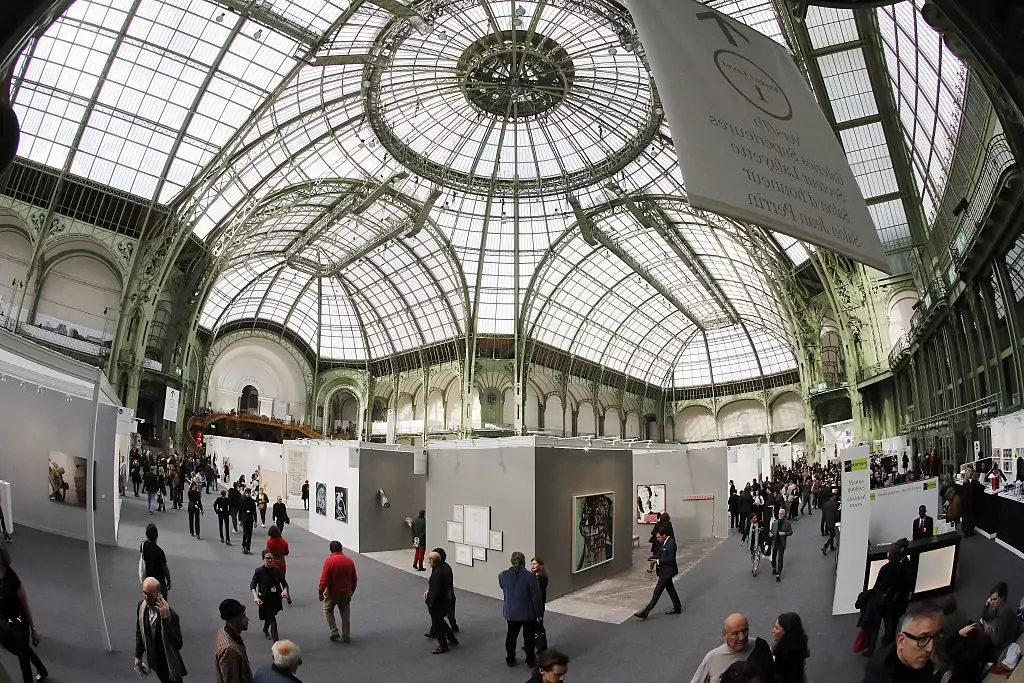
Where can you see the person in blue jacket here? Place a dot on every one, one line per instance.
(521, 609)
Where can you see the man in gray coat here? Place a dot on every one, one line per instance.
(782, 529)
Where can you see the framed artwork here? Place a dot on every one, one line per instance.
(477, 522)
(457, 513)
(66, 477)
(454, 532)
(341, 504)
(494, 540)
(650, 502)
(480, 554)
(593, 539)
(321, 498)
(464, 555)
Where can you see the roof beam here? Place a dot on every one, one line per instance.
(594, 235)
(263, 12)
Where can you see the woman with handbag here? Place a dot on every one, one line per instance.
(16, 626)
(541, 572)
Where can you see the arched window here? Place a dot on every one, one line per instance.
(249, 402)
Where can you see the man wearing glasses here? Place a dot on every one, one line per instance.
(909, 659)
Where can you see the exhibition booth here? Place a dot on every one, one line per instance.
(690, 482)
(360, 493)
(568, 501)
(245, 456)
(61, 431)
(748, 463)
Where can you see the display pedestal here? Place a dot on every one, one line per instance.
(5, 505)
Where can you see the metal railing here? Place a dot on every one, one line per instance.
(870, 371)
(998, 158)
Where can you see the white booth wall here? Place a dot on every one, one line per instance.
(330, 463)
(748, 462)
(686, 470)
(48, 414)
(245, 456)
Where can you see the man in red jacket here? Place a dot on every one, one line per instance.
(337, 584)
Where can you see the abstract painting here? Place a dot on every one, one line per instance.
(321, 499)
(650, 502)
(341, 504)
(593, 541)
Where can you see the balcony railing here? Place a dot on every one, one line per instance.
(998, 158)
(870, 371)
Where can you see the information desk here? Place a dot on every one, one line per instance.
(933, 563)
(1010, 520)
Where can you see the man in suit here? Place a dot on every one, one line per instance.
(830, 513)
(923, 524)
(667, 569)
(247, 514)
(158, 636)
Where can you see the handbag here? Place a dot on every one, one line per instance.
(540, 637)
(860, 643)
(142, 566)
(11, 636)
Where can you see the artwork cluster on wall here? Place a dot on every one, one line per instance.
(593, 538)
(470, 530)
(650, 502)
(321, 498)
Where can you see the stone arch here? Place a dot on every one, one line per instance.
(79, 292)
(612, 424)
(586, 419)
(632, 425)
(554, 415)
(900, 311)
(694, 424)
(743, 417)
(787, 411)
(264, 359)
(15, 255)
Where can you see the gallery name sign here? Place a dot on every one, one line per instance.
(753, 144)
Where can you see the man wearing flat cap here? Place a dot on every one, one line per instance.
(230, 656)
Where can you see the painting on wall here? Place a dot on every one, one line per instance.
(650, 502)
(593, 541)
(341, 504)
(321, 499)
(66, 477)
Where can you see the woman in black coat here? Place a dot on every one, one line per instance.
(268, 586)
(790, 648)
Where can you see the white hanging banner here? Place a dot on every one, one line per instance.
(171, 398)
(752, 142)
(853, 540)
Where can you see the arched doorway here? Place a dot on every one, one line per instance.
(341, 415)
(249, 401)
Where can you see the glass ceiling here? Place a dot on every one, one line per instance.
(379, 176)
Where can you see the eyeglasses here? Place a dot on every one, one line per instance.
(923, 640)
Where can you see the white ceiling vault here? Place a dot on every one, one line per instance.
(390, 174)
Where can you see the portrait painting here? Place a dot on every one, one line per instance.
(341, 504)
(650, 502)
(593, 542)
(321, 499)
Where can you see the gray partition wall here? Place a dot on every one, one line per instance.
(689, 474)
(494, 473)
(392, 470)
(36, 423)
(562, 473)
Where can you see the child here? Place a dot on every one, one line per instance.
(160, 502)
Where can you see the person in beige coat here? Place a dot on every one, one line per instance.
(230, 655)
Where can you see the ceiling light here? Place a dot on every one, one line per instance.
(520, 11)
(518, 22)
(220, 18)
(612, 51)
(258, 34)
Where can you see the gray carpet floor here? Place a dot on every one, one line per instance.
(389, 617)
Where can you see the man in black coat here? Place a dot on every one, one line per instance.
(667, 569)
(909, 659)
(440, 590)
(151, 484)
(247, 515)
(223, 509)
(830, 515)
(234, 500)
(451, 606)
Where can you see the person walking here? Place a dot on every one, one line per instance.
(262, 501)
(451, 605)
(440, 588)
(247, 514)
(552, 666)
(223, 509)
(746, 508)
(782, 529)
(22, 634)
(829, 514)
(195, 510)
(175, 477)
(754, 544)
(541, 572)
(154, 560)
(667, 569)
(235, 502)
(279, 548)
(337, 586)
(789, 648)
(151, 484)
(268, 586)
(280, 514)
(418, 526)
(305, 495)
(136, 477)
(287, 659)
(805, 496)
(521, 608)
(229, 654)
(158, 639)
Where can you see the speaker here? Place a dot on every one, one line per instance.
(10, 134)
